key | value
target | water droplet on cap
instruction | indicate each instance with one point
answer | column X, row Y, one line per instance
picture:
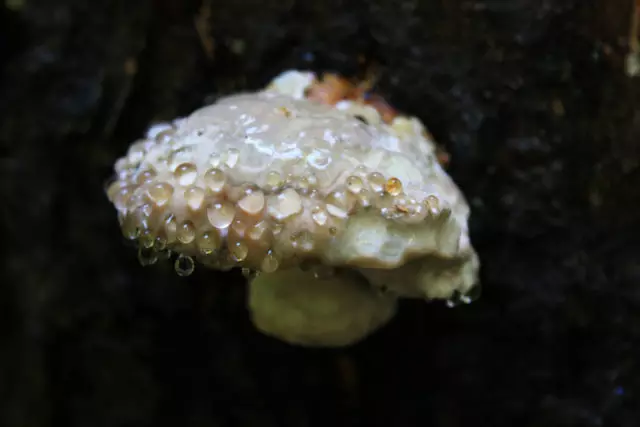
column 239, row 251
column 393, row 186
column 184, row 265
column 270, row 262
column 354, row 184
column 221, row 214
column 215, row 180
column 147, row 256
column 186, row 174
column 160, row 193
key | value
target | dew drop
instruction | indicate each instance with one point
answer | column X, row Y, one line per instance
column 258, row 231
column 147, row 256
column 286, row 204
column 215, row 160
column 137, row 198
column 184, row 265
column 376, row 182
column 239, row 251
column 146, row 239
column 253, row 203
column 416, row 212
column 433, row 204
column 160, row 243
column 164, row 136
column 215, row 180
column 113, row 188
column 160, row 193
column 232, row 157
column 208, row 242
column 122, row 198
column 130, row 228
column 274, row 180
column 472, row 294
column 320, row 216
column 186, row 232
column 270, row 262
column 393, row 186
column 194, row 197
column 171, row 227
column 459, row 298
column 179, row 157
column 319, row 159
column 145, row 176
column 122, row 165
column 454, row 300
column 239, row 227
column 221, row 214
column 338, row 204
column 135, row 155
column 354, row 184
column 186, row 174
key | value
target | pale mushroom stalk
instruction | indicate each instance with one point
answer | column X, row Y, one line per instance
column 300, row 308
column 326, row 195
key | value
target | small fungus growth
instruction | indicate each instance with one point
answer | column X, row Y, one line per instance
column 334, row 204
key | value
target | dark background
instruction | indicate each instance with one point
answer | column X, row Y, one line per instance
column 530, row 99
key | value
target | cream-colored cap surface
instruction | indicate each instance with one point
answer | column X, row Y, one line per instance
column 268, row 180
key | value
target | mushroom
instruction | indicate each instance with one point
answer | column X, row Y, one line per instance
column 338, row 208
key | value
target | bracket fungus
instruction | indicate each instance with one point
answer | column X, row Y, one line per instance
column 334, row 203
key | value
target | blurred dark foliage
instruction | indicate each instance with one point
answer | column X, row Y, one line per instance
column 529, row 97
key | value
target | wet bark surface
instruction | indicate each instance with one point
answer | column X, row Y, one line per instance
column 530, row 99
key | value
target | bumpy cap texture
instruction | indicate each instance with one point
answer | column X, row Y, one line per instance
column 308, row 171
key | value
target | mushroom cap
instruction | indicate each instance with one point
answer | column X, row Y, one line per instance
column 271, row 179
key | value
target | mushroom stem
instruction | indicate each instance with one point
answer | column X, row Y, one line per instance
column 296, row 307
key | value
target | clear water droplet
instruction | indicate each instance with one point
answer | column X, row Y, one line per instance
column 160, row 193
column 239, row 251
column 458, row 298
column 221, row 214
column 184, row 265
column 186, row 233
column 147, row 256
column 354, row 184
column 208, row 242
column 320, row 216
column 186, row 174
column 215, row 180
column 194, row 196
column 376, row 182
column 270, row 262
